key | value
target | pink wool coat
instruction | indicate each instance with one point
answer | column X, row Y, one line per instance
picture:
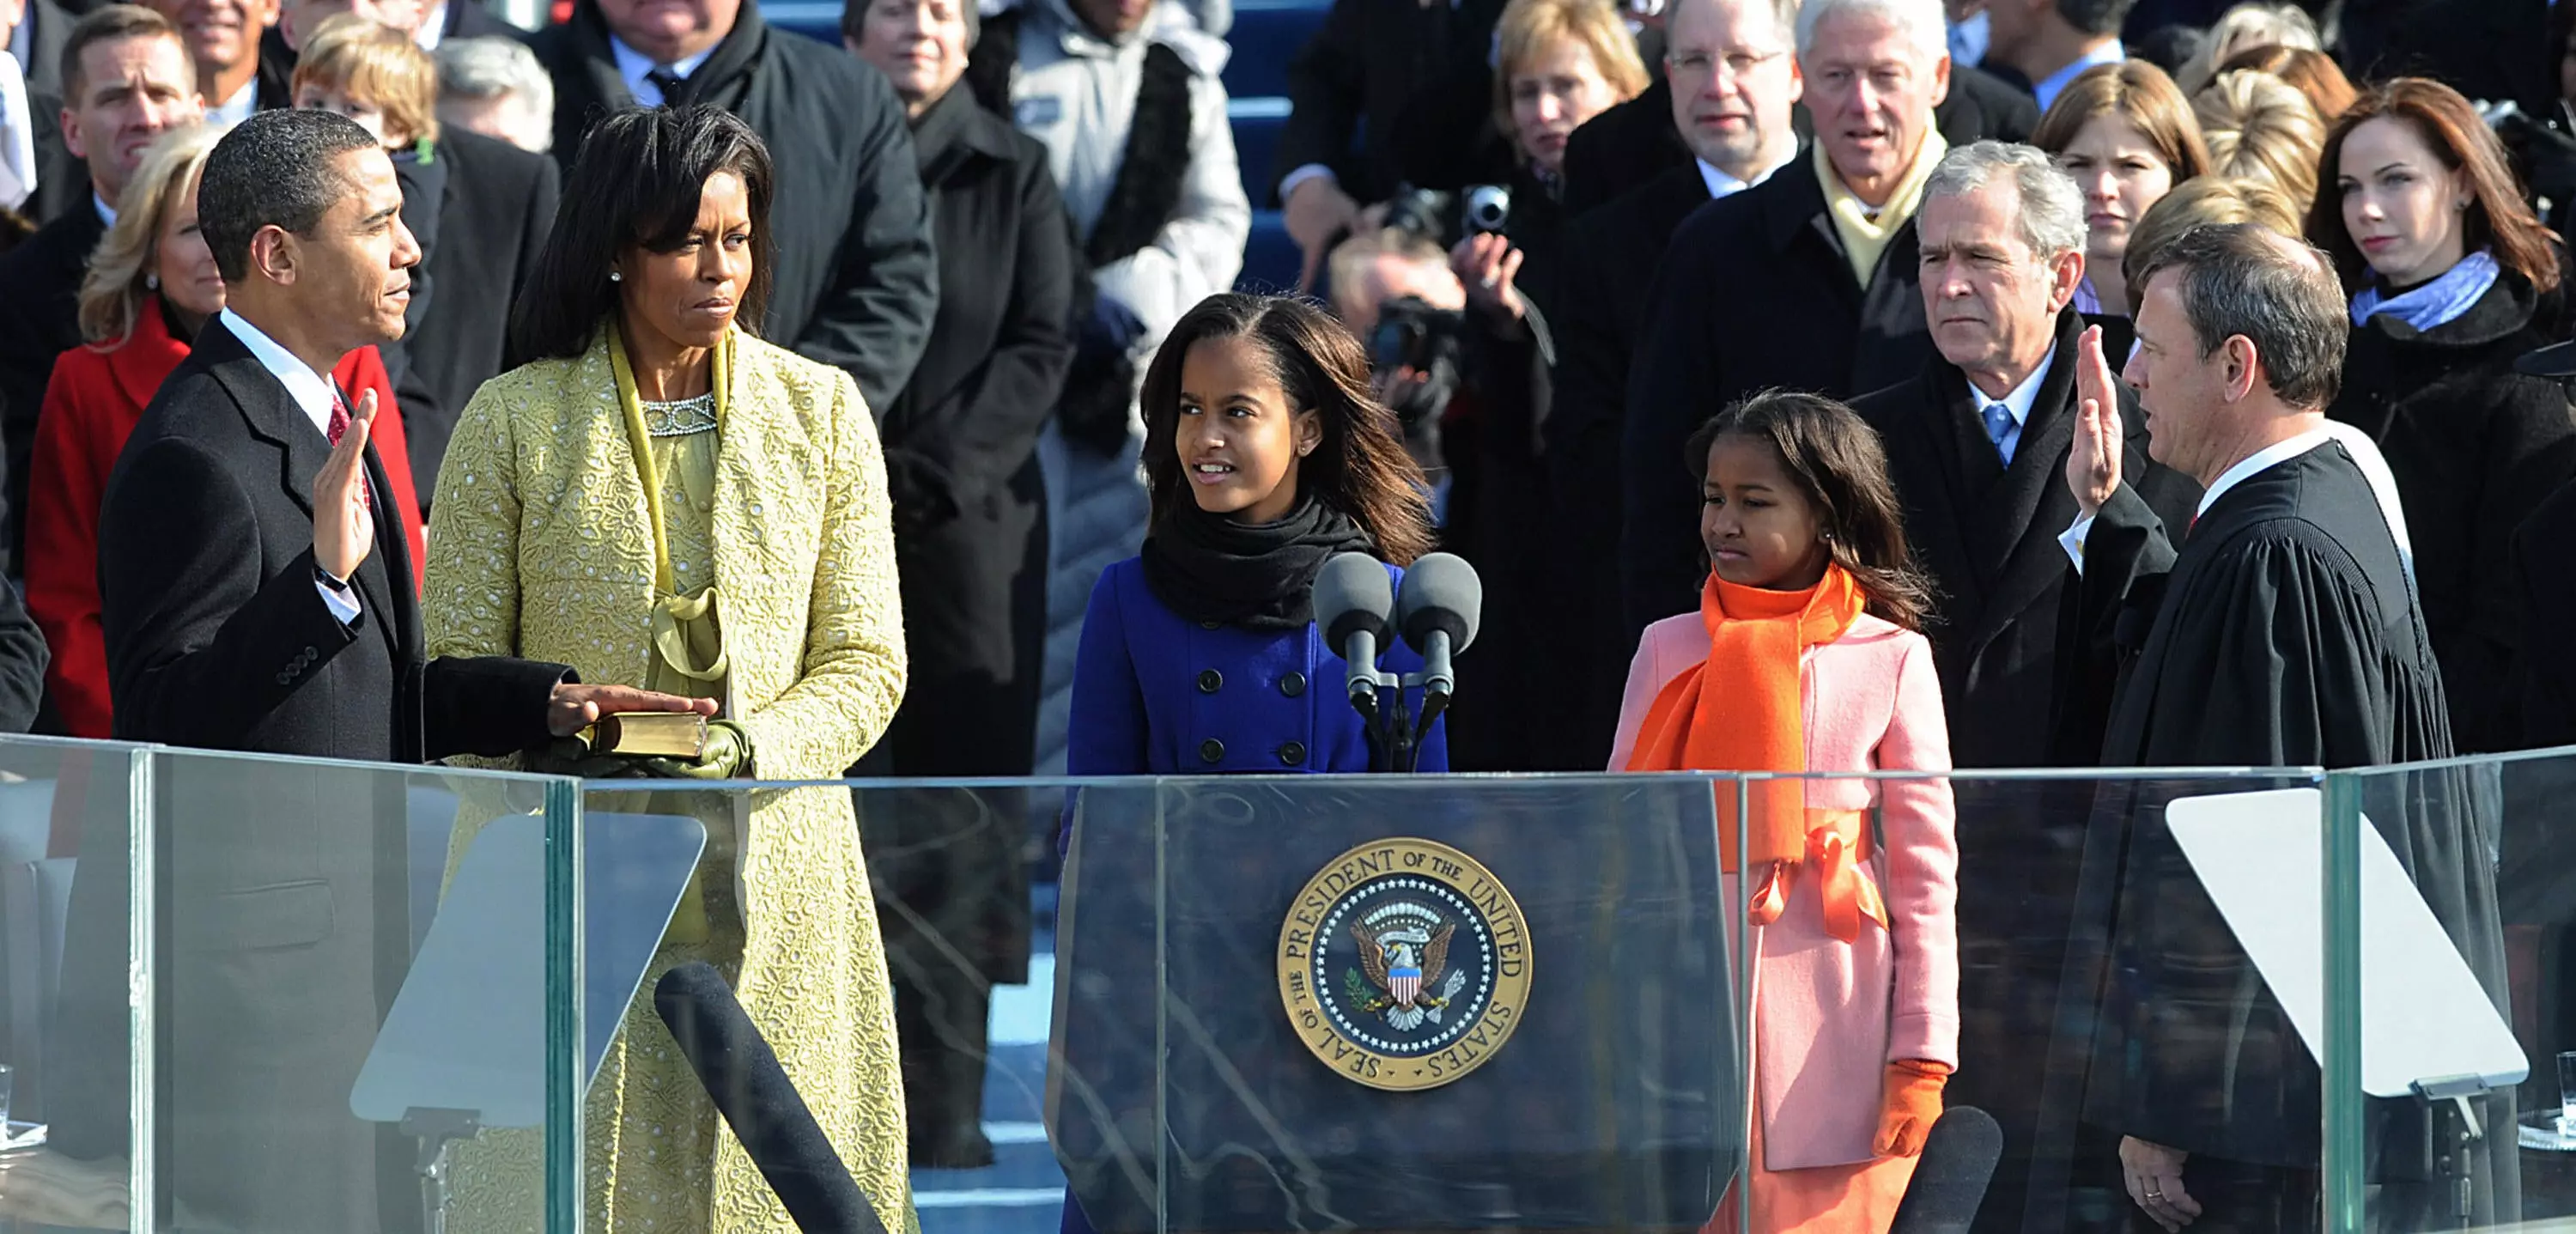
column 1830, row 1016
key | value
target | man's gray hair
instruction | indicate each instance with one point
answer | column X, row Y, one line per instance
column 494, row 67
column 275, row 169
column 2279, row 293
column 2051, row 209
column 1920, row 20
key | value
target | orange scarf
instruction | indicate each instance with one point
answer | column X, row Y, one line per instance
column 1754, row 720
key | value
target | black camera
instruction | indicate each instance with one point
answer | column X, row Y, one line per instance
column 1446, row 218
column 1412, row 334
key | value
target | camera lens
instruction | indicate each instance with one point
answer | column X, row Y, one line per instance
column 1489, row 207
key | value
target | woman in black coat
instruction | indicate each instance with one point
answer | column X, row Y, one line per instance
column 951, row 866
column 2449, row 271
column 1560, row 63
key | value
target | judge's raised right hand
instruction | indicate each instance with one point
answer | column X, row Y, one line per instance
column 2093, row 461
column 344, row 529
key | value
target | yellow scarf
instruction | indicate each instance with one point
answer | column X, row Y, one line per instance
column 688, row 651
column 1865, row 237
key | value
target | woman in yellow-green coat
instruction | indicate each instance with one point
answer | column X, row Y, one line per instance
column 663, row 497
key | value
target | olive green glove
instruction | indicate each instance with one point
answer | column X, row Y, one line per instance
column 727, row 757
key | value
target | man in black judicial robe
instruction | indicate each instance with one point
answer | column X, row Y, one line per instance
column 2288, row 565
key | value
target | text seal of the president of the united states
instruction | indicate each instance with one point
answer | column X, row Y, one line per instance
column 1404, row 964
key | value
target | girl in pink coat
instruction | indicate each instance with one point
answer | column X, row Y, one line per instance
column 1804, row 658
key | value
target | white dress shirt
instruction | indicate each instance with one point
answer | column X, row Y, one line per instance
column 312, row 394
column 1723, row 184
column 433, row 25
column 106, row 212
column 2273, row 455
column 632, row 65
column 236, row 109
column 2017, row 404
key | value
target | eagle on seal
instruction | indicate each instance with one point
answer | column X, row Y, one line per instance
column 1408, row 966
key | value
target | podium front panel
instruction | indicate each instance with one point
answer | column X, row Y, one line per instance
column 1395, row 1003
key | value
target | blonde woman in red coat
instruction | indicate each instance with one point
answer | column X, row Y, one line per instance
column 151, row 284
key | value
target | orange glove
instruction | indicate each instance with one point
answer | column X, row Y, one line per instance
column 1913, row 1097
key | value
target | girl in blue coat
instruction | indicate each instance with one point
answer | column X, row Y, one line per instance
column 1264, row 455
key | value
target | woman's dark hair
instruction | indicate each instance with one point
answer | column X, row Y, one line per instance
column 636, row 183
column 2499, row 216
column 1360, row 468
column 1838, row 461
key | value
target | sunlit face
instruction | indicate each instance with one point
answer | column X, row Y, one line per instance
column 2184, row 395
column 2121, row 175
column 1871, row 91
column 1734, row 79
column 669, row 31
column 920, row 45
column 222, row 34
column 1992, row 302
column 2405, row 211
column 1757, row 523
column 1552, row 95
column 688, row 296
column 1238, row 439
column 317, row 97
column 181, row 260
column 131, row 92
column 352, row 274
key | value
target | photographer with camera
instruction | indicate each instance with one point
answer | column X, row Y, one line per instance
column 1393, row 289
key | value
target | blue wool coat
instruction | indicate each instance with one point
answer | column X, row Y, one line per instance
column 1154, row 694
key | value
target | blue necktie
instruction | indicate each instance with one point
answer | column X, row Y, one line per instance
column 670, row 84
column 2001, row 430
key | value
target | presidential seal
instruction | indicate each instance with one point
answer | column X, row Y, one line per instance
column 1404, row 964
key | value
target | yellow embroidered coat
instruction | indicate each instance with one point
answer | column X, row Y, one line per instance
column 541, row 547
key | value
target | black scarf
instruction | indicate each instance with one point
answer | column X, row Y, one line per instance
column 1210, row 568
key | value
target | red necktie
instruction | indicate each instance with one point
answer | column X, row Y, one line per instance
column 338, row 427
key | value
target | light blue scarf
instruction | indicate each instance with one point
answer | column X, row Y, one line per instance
column 2437, row 302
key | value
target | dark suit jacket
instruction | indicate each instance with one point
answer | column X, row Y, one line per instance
column 39, row 320
column 1635, row 141
column 50, row 25
column 1603, row 279
column 856, row 282
column 493, row 215
column 2547, row 594
column 62, row 181
column 1753, row 294
column 285, row 884
column 1380, row 84
column 1987, row 535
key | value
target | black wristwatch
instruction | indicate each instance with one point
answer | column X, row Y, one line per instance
column 338, row 586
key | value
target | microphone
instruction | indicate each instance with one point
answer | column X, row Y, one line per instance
column 1354, row 603
column 1950, row 1179
column 742, row 1075
column 1437, row 612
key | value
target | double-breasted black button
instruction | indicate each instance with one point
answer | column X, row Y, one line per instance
column 1211, row 751
column 1293, row 684
column 1293, row 754
column 1210, row 681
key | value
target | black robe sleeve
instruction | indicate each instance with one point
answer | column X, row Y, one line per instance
column 2127, row 555
column 2273, row 653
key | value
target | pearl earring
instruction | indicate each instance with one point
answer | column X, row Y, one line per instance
column 152, row 282
column 615, row 277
